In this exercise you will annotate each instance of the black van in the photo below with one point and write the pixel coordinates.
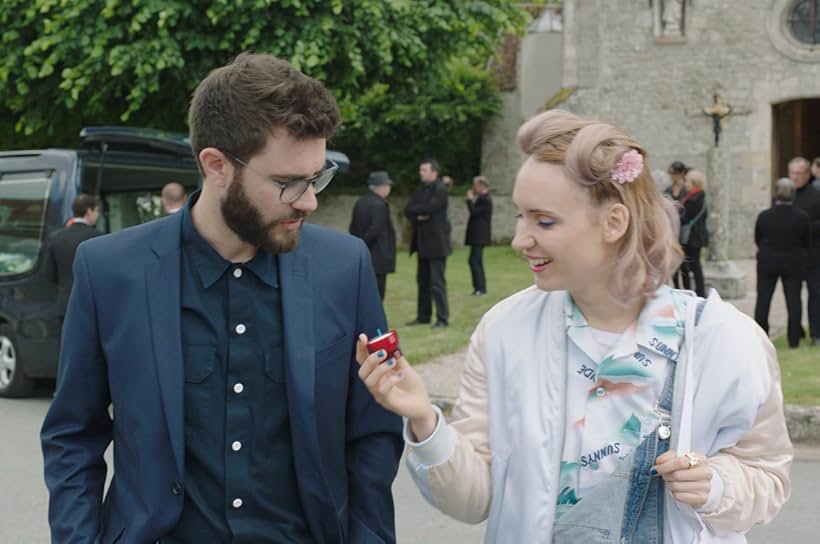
(127, 167)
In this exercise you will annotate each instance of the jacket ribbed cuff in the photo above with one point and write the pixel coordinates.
(437, 447)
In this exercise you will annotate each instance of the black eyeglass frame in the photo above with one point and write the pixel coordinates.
(325, 176)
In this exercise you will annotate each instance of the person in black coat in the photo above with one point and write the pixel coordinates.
(480, 206)
(694, 215)
(783, 238)
(372, 223)
(427, 211)
(807, 198)
(59, 262)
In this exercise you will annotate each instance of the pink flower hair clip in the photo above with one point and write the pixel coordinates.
(628, 167)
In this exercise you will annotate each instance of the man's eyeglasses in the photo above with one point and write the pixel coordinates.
(293, 189)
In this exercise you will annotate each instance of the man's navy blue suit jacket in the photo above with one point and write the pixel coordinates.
(122, 347)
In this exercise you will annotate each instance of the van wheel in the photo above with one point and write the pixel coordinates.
(13, 383)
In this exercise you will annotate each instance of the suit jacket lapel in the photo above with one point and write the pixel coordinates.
(298, 320)
(162, 279)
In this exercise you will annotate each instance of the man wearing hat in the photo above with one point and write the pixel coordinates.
(372, 223)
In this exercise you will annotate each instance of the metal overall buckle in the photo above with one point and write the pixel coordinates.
(664, 422)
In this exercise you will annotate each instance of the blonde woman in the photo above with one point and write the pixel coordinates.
(599, 405)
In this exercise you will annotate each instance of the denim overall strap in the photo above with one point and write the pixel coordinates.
(644, 507)
(644, 510)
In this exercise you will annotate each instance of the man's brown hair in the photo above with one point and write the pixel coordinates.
(238, 106)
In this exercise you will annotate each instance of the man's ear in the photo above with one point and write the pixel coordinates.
(615, 222)
(216, 167)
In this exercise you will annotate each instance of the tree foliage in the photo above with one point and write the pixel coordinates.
(410, 76)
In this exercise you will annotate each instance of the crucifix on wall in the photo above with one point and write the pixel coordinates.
(718, 111)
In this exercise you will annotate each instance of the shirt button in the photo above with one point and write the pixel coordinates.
(177, 488)
(238, 388)
(236, 446)
(600, 392)
(237, 273)
(237, 503)
(240, 329)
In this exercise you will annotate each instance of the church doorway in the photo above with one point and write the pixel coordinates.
(795, 132)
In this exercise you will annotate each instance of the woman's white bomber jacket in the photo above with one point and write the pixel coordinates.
(498, 458)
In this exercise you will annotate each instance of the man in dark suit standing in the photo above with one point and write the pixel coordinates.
(480, 206)
(372, 223)
(427, 212)
(215, 347)
(807, 198)
(783, 238)
(62, 246)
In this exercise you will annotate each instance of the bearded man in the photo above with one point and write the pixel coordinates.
(222, 338)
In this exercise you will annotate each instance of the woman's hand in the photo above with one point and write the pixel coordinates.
(397, 387)
(688, 477)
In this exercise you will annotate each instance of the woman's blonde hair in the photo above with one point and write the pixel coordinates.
(696, 178)
(589, 151)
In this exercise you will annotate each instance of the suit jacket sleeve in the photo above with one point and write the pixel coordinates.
(374, 441)
(77, 428)
(413, 204)
(814, 215)
(757, 229)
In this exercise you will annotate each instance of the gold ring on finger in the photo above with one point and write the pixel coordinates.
(694, 460)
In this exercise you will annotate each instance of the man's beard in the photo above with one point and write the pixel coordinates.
(246, 221)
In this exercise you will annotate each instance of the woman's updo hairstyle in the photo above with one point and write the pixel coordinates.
(590, 152)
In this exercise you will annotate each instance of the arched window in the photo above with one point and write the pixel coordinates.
(804, 21)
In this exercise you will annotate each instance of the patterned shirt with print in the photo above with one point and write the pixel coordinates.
(613, 385)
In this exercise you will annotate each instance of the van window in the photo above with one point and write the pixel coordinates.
(129, 208)
(129, 185)
(23, 201)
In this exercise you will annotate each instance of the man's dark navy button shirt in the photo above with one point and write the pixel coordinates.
(239, 483)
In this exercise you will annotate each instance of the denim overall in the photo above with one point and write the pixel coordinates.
(598, 518)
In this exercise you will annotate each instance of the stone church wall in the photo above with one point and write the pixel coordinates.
(656, 87)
